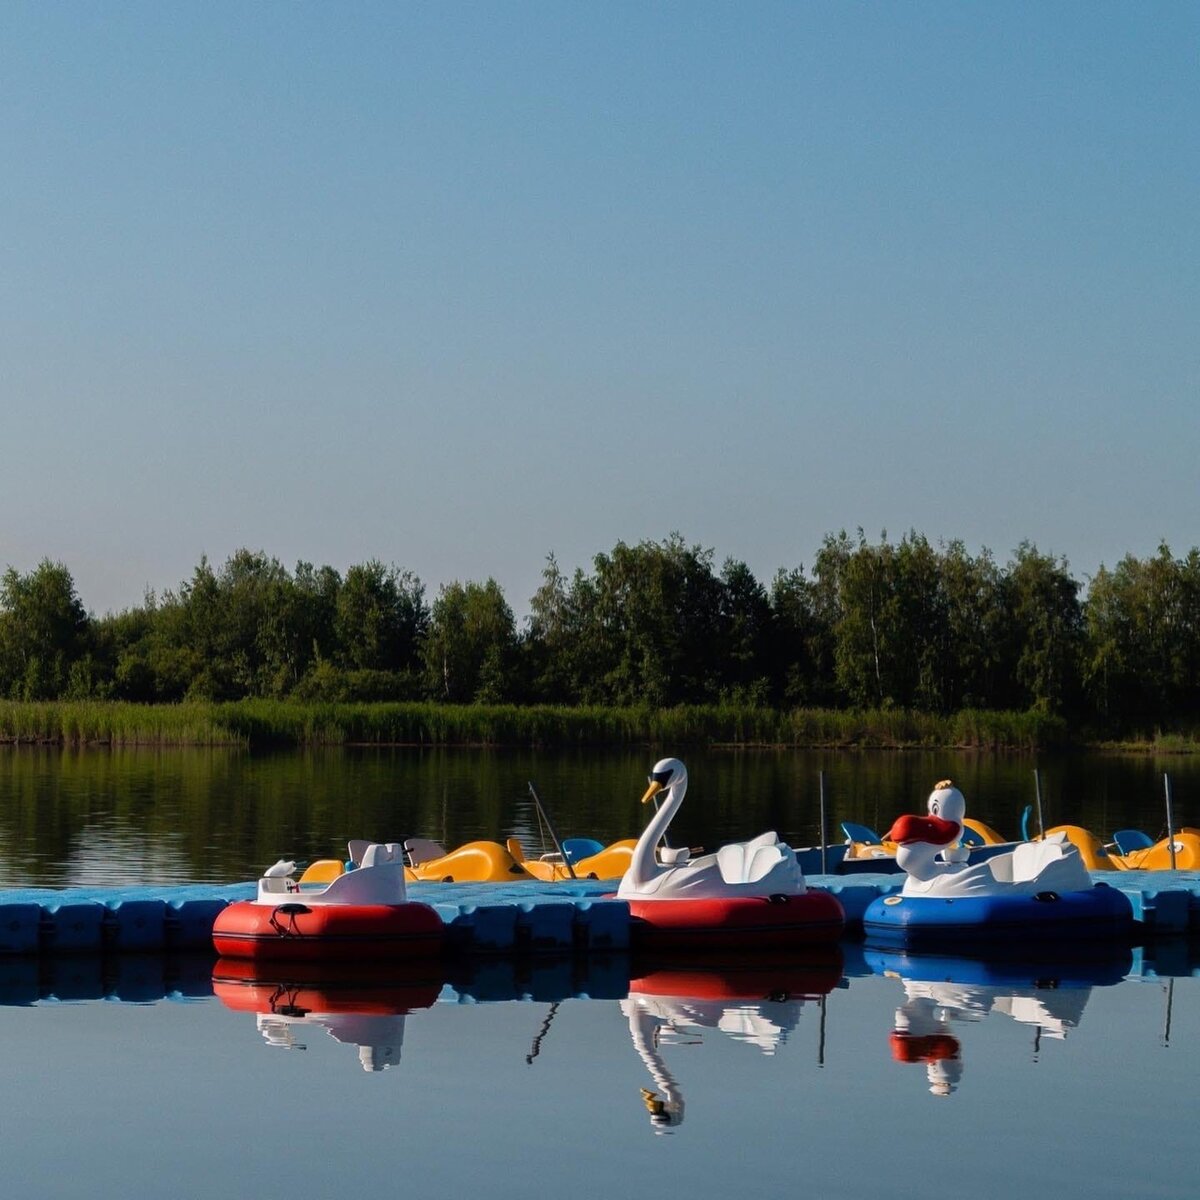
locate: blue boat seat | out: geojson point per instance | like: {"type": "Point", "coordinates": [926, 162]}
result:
{"type": "Point", "coordinates": [580, 847]}
{"type": "Point", "coordinates": [1129, 840]}
{"type": "Point", "coordinates": [971, 837]}
{"type": "Point", "coordinates": [860, 833]}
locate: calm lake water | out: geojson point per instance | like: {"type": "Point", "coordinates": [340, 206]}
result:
{"type": "Point", "coordinates": [813, 1079]}
{"type": "Point", "coordinates": [176, 816]}
{"type": "Point", "coordinates": [856, 1075]}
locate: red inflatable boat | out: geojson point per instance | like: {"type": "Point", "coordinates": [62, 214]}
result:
{"type": "Point", "coordinates": [809, 918]}
{"type": "Point", "coordinates": [361, 913]}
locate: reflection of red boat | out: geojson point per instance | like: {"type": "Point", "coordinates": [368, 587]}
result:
{"type": "Point", "coordinates": [753, 978]}
{"type": "Point", "coordinates": [361, 1008]}
{"type": "Point", "coordinates": [362, 912]}
{"type": "Point", "coordinates": [311, 987]}
{"type": "Point", "coordinates": [811, 918]}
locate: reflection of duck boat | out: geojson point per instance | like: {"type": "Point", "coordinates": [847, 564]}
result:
{"type": "Point", "coordinates": [941, 992]}
{"type": "Point", "coordinates": [368, 1011]}
{"type": "Point", "coordinates": [589, 859]}
{"type": "Point", "coordinates": [747, 894]}
{"type": "Point", "coordinates": [755, 1003]}
{"type": "Point", "coordinates": [1038, 888]}
{"type": "Point", "coordinates": [364, 911]}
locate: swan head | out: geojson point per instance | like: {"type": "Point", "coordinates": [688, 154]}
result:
{"type": "Point", "coordinates": [943, 825]}
{"type": "Point", "coordinates": [666, 773]}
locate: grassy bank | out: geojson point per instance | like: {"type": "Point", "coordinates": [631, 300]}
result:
{"type": "Point", "coordinates": [265, 722]}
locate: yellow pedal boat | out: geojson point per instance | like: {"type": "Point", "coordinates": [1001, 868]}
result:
{"type": "Point", "coordinates": [588, 859]}
{"type": "Point", "coordinates": [1099, 856]}
{"type": "Point", "coordinates": [474, 862]}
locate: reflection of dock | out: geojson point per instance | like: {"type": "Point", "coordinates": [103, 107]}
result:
{"type": "Point", "coordinates": [481, 918]}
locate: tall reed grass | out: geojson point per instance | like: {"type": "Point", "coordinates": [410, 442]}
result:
{"type": "Point", "coordinates": [292, 723]}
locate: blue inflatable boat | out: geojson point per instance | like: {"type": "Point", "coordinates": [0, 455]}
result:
{"type": "Point", "coordinates": [1098, 912]}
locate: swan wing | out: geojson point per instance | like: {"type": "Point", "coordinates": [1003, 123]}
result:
{"type": "Point", "coordinates": [770, 838]}
{"type": "Point", "coordinates": [748, 862]}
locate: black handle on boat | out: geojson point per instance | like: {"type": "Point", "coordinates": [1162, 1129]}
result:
{"type": "Point", "coordinates": [550, 826]}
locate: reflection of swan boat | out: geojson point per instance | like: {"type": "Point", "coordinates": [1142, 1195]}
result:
{"type": "Point", "coordinates": [942, 992]}
{"type": "Point", "coordinates": [367, 1012]}
{"type": "Point", "coordinates": [1037, 889]}
{"type": "Point", "coordinates": [747, 894]}
{"type": "Point", "coordinates": [364, 911]}
{"type": "Point", "coordinates": [755, 1003]}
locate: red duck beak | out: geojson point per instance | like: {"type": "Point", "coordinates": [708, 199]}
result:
{"type": "Point", "coordinates": [923, 829]}
{"type": "Point", "coordinates": [926, 1048]}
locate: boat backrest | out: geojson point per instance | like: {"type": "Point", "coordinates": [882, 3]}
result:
{"type": "Point", "coordinates": [355, 848]}
{"type": "Point", "coordinates": [971, 837]}
{"type": "Point", "coordinates": [324, 870]}
{"type": "Point", "coordinates": [860, 833]}
{"type": "Point", "coordinates": [379, 853]}
{"type": "Point", "coordinates": [1129, 840]}
{"type": "Point", "coordinates": [580, 847]}
{"type": "Point", "coordinates": [421, 850]}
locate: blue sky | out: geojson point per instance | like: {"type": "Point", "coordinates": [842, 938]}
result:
{"type": "Point", "coordinates": [458, 285]}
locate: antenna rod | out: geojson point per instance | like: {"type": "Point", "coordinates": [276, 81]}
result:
{"type": "Point", "coordinates": [824, 839]}
{"type": "Point", "coordinates": [550, 826]}
{"type": "Point", "coordinates": [1037, 784]}
{"type": "Point", "coordinates": [1170, 818]}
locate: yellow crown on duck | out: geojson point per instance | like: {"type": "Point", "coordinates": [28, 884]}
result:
{"type": "Point", "coordinates": [943, 783]}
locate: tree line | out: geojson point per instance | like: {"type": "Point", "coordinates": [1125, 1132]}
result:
{"type": "Point", "coordinates": [879, 625]}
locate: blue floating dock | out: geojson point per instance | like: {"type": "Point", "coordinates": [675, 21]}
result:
{"type": "Point", "coordinates": [506, 919]}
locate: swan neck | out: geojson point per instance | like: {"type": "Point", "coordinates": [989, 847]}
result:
{"type": "Point", "coordinates": [642, 864]}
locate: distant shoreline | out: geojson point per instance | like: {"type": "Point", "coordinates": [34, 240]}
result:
{"type": "Point", "coordinates": [262, 723]}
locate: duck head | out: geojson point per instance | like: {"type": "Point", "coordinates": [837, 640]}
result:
{"type": "Point", "coordinates": [941, 827]}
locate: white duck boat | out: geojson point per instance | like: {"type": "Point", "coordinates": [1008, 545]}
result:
{"type": "Point", "coordinates": [748, 893]}
{"type": "Point", "coordinates": [934, 869]}
{"type": "Point", "coordinates": [1036, 887]}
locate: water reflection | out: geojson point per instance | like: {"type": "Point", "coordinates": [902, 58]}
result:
{"type": "Point", "coordinates": [140, 815]}
{"type": "Point", "coordinates": [757, 1004]}
{"type": "Point", "coordinates": [943, 993]}
{"type": "Point", "coordinates": [146, 1076]}
{"type": "Point", "coordinates": [753, 1002]}
{"type": "Point", "coordinates": [364, 1011]}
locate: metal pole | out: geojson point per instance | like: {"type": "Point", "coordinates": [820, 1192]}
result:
{"type": "Point", "coordinates": [1170, 818]}
{"type": "Point", "coordinates": [1170, 997]}
{"type": "Point", "coordinates": [821, 1044]}
{"type": "Point", "coordinates": [824, 839]}
{"type": "Point", "coordinates": [550, 826]}
{"type": "Point", "coordinates": [1037, 784]}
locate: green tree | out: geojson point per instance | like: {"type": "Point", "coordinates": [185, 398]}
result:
{"type": "Point", "coordinates": [471, 649]}
{"type": "Point", "coordinates": [44, 632]}
{"type": "Point", "coordinates": [1048, 624]}
{"type": "Point", "coordinates": [381, 618]}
